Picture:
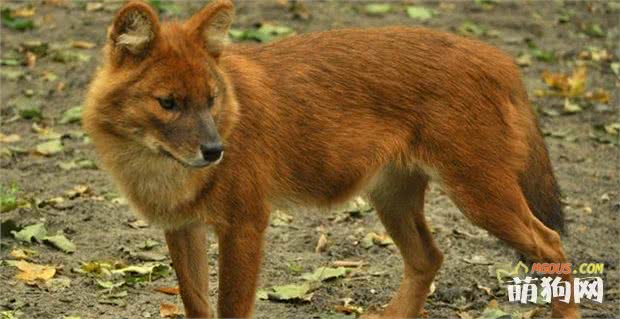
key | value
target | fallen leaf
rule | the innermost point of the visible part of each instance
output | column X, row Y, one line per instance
column 26, row 108
column 571, row 107
column 373, row 238
column 36, row 231
column 598, row 95
column 78, row 191
column 22, row 253
column 108, row 284
column 321, row 244
column 280, row 218
column 12, row 138
column 290, row 292
column 149, row 244
column 138, row 223
column 49, row 148
column 471, row 28
column 594, row 30
column 94, row 6
column 168, row 310
column 168, row 290
column 349, row 309
column 25, row 12
column 14, row 22
column 524, row 59
column 83, row 44
column 77, row 164
column 61, row 242
column 377, row 9
column 31, row 273
column 69, row 56
column 72, row 115
column 615, row 68
column 325, row 273
column 420, row 13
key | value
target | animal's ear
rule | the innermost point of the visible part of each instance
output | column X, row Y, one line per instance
column 134, row 29
column 211, row 25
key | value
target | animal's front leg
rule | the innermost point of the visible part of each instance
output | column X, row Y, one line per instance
column 240, row 248
column 188, row 250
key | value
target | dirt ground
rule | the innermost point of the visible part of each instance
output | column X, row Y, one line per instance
column 100, row 224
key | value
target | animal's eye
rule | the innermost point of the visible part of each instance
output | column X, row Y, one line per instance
column 167, row 103
column 210, row 101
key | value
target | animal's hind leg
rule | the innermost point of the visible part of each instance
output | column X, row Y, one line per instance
column 494, row 201
column 398, row 197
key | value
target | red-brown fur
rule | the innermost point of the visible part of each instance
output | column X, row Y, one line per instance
column 315, row 119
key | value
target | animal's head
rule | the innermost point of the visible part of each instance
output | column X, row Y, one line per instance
column 161, row 86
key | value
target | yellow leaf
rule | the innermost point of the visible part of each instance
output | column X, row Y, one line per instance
column 30, row 272
column 12, row 138
column 555, row 80
column 598, row 95
column 565, row 85
column 83, row 44
column 22, row 253
column 23, row 13
column 577, row 81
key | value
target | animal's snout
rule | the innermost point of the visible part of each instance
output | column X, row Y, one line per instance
column 212, row 152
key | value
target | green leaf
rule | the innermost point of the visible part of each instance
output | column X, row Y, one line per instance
column 11, row 74
column 49, row 148
column 262, row 294
column 524, row 59
column 471, row 28
column 615, row 68
column 595, row 31
column 69, row 56
column 144, row 272
column 420, row 13
column 77, row 164
column 61, row 242
column 378, row 9
column 325, row 273
column 107, row 284
column 36, row 231
column 571, row 107
column 8, row 314
column 8, row 198
column 149, row 244
column 168, row 7
column 290, row 292
column 15, row 23
column 26, row 108
column 37, row 47
column 72, row 115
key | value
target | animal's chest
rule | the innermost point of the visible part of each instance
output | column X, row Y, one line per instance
column 161, row 195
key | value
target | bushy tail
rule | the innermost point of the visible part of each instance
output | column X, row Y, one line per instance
column 539, row 185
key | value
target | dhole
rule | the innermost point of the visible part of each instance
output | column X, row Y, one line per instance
column 196, row 132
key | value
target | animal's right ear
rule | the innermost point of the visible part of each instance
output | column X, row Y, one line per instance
column 134, row 30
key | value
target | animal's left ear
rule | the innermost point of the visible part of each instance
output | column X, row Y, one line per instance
column 211, row 25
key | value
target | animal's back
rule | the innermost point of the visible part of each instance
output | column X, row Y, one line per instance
column 360, row 98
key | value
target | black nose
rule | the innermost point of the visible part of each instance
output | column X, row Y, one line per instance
column 211, row 151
